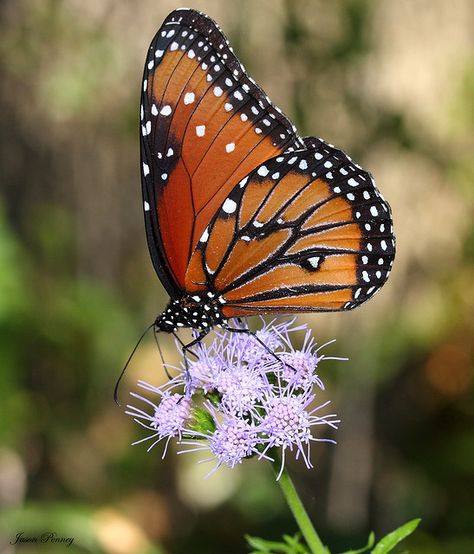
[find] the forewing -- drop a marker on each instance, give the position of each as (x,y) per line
(305,231)
(204,126)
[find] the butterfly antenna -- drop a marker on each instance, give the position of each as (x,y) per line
(155,333)
(117,384)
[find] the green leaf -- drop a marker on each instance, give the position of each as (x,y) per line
(292,546)
(265,546)
(370,544)
(295,543)
(202,421)
(388,543)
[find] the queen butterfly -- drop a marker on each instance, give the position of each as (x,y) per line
(243,216)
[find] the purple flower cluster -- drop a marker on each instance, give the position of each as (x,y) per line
(243,395)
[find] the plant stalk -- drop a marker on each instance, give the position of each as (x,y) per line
(297,509)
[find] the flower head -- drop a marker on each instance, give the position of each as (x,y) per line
(286,421)
(244,395)
(233,440)
(241,387)
(171,414)
(299,367)
(204,371)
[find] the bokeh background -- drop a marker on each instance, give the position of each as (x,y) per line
(391,83)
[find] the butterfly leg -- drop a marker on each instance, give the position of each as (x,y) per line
(186,348)
(197,340)
(251,333)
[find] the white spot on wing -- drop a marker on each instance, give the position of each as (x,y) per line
(205,235)
(189,98)
(200,130)
(146,129)
(303,165)
(229,206)
(230,147)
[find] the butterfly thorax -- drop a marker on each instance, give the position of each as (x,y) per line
(196,311)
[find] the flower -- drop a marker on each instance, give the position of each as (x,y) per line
(233,439)
(171,414)
(286,421)
(299,369)
(168,418)
(204,370)
(246,394)
(241,386)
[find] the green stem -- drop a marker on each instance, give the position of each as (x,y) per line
(298,510)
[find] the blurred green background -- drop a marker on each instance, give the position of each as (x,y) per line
(391,83)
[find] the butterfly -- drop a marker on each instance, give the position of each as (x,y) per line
(242,215)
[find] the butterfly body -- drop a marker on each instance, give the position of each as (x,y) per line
(196,312)
(243,216)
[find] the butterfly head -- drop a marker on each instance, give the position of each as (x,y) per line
(196,312)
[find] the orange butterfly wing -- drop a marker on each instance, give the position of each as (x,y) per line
(204,126)
(305,231)
(236,203)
